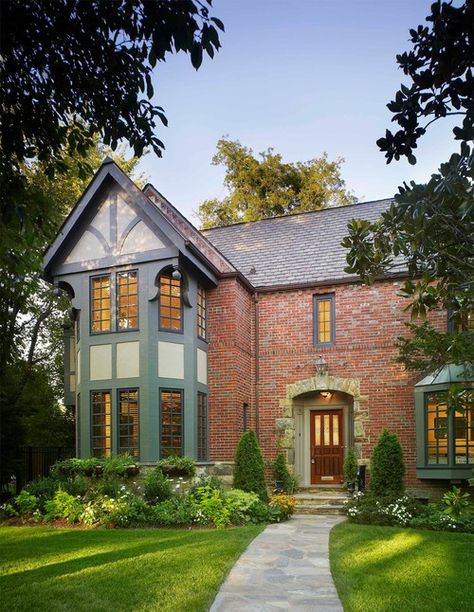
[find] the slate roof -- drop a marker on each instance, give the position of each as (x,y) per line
(295,249)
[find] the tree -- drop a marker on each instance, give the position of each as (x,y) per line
(249,469)
(267,187)
(387,467)
(440,70)
(32,314)
(72,69)
(430,227)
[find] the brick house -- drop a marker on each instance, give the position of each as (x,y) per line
(182,339)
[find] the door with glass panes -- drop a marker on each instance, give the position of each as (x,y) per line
(327,450)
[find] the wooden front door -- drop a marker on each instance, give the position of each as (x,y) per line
(327,450)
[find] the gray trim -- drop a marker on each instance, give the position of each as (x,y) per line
(100,237)
(126,232)
(324,297)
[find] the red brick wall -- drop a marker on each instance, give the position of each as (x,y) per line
(231,365)
(368,321)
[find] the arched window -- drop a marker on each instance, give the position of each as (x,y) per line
(171,302)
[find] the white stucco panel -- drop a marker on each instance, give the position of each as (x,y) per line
(88,247)
(139,239)
(201,366)
(125,214)
(100,359)
(128,359)
(101,221)
(170,360)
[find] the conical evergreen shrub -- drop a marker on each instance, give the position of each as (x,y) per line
(387,467)
(249,469)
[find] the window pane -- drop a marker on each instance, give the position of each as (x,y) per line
(324,332)
(101,424)
(128,421)
(127,300)
(170,303)
(100,304)
(171,409)
(437,430)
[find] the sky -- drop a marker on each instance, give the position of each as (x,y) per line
(301,76)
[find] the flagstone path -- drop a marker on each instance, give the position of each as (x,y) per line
(286,567)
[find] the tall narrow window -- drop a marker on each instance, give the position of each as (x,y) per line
(202,449)
(128,421)
(437,430)
(324,324)
(171,416)
(171,312)
(202,313)
(100,304)
(101,424)
(127,300)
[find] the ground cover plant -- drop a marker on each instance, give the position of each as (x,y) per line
(101,493)
(385,568)
(47,569)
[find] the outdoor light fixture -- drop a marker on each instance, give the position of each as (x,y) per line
(322,367)
(325,394)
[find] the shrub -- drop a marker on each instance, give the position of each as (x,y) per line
(26,503)
(118,466)
(285,504)
(157,487)
(456,502)
(249,469)
(180,510)
(212,481)
(63,506)
(281,474)
(177,466)
(387,468)
(241,504)
(43,489)
(372,509)
(211,507)
(350,467)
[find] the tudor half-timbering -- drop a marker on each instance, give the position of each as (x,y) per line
(183,339)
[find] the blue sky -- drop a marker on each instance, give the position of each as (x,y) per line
(302,76)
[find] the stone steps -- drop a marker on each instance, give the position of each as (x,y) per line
(320,501)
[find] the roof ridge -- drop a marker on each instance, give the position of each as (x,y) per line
(306,212)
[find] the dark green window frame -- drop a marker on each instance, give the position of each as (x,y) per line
(128,421)
(324,328)
(101,423)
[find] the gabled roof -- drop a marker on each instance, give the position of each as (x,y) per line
(109,176)
(296,249)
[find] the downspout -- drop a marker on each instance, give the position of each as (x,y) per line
(257,367)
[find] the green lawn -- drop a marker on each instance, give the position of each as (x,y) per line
(402,570)
(145,569)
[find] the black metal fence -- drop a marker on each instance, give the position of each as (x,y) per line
(35,461)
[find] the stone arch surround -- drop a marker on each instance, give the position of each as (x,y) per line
(286,424)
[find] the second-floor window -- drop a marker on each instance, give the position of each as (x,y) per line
(171,309)
(324,319)
(101,316)
(127,300)
(123,293)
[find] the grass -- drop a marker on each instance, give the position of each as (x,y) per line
(400,570)
(51,569)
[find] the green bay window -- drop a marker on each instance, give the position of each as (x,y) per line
(171,422)
(445,436)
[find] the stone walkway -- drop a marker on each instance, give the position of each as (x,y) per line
(286,567)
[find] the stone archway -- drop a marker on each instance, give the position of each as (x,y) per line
(285,422)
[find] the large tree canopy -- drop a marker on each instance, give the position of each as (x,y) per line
(430,226)
(268,187)
(439,68)
(92,61)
